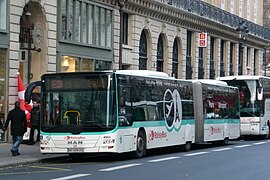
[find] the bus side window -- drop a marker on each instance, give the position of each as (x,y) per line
(125,105)
(138,114)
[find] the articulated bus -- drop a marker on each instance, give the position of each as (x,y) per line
(131,111)
(217,113)
(254,94)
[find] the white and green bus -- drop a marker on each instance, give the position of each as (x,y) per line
(131,111)
(254,103)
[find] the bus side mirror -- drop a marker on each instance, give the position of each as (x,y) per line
(121,99)
(260,93)
(29,90)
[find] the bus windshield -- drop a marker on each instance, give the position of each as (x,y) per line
(249,105)
(80,104)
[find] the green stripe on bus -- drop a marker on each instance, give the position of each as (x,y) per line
(222,121)
(155,124)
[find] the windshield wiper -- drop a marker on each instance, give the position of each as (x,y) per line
(95,124)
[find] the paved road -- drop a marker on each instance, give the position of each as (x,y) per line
(241,160)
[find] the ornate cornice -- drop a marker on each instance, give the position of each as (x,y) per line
(179,17)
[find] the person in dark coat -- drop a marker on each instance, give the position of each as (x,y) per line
(18,127)
(34,121)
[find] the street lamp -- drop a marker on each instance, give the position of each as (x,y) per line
(26,38)
(264,58)
(121,4)
(242,35)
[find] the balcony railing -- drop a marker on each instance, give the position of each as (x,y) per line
(216,14)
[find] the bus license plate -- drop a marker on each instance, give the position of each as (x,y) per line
(75,150)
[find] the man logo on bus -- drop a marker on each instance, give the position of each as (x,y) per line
(173,110)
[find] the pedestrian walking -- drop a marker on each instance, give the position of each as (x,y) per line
(34,121)
(1,126)
(18,127)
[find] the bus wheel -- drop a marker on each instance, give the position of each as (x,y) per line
(268,135)
(141,145)
(225,142)
(187,146)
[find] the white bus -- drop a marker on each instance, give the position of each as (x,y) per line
(130,111)
(254,103)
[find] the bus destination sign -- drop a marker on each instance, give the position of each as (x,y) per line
(68,83)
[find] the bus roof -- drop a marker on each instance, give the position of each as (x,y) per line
(143,73)
(242,77)
(124,72)
(211,81)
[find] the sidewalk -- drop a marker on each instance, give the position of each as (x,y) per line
(29,154)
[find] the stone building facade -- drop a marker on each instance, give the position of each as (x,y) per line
(46,36)
(266,23)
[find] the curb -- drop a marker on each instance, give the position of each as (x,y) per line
(45,159)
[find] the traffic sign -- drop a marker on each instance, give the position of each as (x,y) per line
(203,40)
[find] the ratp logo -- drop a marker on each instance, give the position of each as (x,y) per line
(67,138)
(173,110)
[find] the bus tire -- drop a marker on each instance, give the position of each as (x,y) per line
(187,146)
(268,135)
(225,142)
(140,145)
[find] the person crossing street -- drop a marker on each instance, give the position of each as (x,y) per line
(18,127)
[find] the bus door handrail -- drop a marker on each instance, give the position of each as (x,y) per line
(72,111)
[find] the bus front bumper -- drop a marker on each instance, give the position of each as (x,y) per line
(253,128)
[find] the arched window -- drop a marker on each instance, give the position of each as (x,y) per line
(188,56)
(200,66)
(222,47)
(160,54)
(175,59)
(231,59)
(212,62)
(143,52)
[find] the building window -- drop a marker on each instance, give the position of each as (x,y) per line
(77,20)
(200,68)
(222,72)
(102,65)
(143,52)
(75,64)
(3,14)
(125,28)
(86,23)
(90,24)
(108,28)
(247,62)
(212,63)
(160,54)
(188,56)
(175,59)
(231,59)
(240,59)
(255,61)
